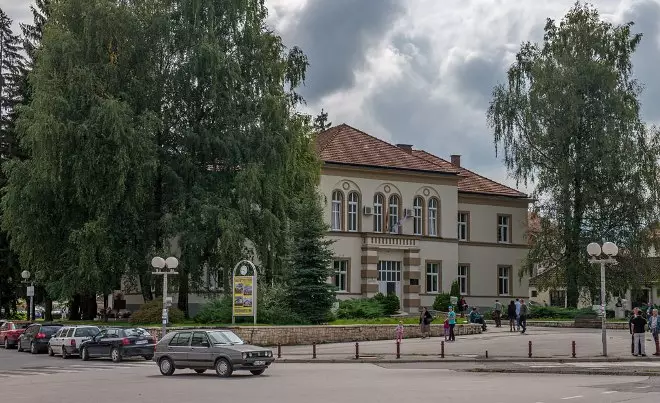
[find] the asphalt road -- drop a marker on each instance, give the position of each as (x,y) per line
(39,379)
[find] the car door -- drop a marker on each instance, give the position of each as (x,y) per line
(179,348)
(56,341)
(29,335)
(110,339)
(93,347)
(200,355)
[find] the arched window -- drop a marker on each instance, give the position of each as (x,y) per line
(393,212)
(378,213)
(418,205)
(433,217)
(353,211)
(337,208)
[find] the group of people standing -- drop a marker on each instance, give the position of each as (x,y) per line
(638,326)
(516,311)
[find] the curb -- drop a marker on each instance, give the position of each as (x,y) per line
(564,371)
(452,360)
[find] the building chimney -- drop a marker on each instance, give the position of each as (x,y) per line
(405,147)
(456,160)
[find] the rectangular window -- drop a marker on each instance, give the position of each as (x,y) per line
(417,217)
(535,293)
(335,224)
(432,277)
(504,228)
(341,275)
(463,271)
(463,222)
(503,280)
(389,271)
(353,204)
(378,213)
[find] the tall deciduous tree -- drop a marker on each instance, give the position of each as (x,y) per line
(568,121)
(75,207)
(12,65)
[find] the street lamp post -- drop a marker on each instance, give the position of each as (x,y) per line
(610,250)
(30,293)
(162,267)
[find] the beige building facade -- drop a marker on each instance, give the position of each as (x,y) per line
(407,222)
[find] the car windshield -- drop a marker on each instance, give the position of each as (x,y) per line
(135,332)
(50,330)
(224,337)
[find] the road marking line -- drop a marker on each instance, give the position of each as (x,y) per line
(571,397)
(643,387)
(609,392)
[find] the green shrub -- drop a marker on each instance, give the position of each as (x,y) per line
(442,302)
(152,312)
(216,311)
(390,303)
(273,307)
(455,290)
(360,309)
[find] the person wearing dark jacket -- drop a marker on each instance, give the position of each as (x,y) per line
(511,314)
(425,319)
(630,327)
(639,331)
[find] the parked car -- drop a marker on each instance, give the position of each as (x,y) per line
(118,343)
(10,332)
(200,350)
(66,341)
(36,337)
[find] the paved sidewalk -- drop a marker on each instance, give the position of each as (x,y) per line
(550,344)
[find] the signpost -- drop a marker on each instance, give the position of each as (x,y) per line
(244,290)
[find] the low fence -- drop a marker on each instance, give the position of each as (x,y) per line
(308,335)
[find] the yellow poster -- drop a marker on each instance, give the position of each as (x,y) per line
(243,296)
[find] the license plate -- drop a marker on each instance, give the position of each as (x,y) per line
(259,363)
(141,342)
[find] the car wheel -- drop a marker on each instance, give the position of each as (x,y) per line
(65,355)
(257,371)
(50,351)
(33,348)
(166,366)
(223,368)
(115,354)
(84,354)
(200,371)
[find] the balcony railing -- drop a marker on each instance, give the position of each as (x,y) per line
(392,241)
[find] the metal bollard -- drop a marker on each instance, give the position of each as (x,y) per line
(398,350)
(573,348)
(530,349)
(442,349)
(486,353)
(357,350)
(279,350)
(313,350)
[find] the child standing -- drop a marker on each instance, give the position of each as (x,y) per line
(446,329)
(399,332)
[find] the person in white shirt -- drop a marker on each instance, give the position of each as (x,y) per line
(654,325)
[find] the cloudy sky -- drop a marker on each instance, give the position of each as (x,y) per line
(422,71)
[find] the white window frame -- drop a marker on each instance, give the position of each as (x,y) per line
(353,211)
(418,207)
(433,216)
(463,278)
(393,217)
(503,228)
(503,280)
(378,212)
(463,225)
(340,276)
(432,277)
(389,270)
(336,213)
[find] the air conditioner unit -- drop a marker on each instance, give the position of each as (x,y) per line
(368,210)
(408,212)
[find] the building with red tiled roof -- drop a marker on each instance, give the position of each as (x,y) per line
(408,222)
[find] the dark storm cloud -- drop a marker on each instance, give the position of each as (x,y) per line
(646,15)
(336,35)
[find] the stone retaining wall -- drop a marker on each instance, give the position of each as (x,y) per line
(571,324)
(306,335)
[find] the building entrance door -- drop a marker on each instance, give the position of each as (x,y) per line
(389,277)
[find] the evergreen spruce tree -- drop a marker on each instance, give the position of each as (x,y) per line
(321,122)
(311,295)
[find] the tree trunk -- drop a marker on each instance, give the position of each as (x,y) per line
(89,307)
(145,287)
(105,307)
(184,288)
(48,315)
(75,308)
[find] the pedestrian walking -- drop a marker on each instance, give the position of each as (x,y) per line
(654,325)
(425,319)
(517,315)
(522,318)
(399,332)
(639,331)
(511,314)
(451,318)
(497,313)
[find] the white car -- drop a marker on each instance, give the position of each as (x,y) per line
(67,340)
